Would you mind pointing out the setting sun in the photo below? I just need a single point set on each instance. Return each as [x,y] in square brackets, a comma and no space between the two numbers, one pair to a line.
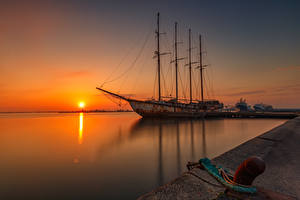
[81,104]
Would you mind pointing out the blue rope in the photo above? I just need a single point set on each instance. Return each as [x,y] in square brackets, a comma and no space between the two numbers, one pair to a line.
[211,169]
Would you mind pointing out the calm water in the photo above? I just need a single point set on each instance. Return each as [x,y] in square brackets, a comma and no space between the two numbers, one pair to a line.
[107,155]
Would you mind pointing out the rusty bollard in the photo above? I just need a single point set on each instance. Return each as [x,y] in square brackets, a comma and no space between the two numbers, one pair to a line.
[249,170]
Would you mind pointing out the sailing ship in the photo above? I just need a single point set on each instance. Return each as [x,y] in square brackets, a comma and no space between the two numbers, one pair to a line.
[174,107]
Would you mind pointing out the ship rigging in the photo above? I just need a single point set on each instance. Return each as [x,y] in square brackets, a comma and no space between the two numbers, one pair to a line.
[174,107]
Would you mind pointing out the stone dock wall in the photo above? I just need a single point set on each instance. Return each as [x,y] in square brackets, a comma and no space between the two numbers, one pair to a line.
[279,148]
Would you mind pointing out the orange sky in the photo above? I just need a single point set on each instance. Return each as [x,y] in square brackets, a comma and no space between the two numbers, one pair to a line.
[53,56]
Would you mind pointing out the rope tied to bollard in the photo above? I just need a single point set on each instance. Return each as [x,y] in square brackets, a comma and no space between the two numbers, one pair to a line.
[221,175]
[204,180]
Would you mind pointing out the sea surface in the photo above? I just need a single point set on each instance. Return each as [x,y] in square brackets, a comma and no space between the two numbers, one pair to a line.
[107,155]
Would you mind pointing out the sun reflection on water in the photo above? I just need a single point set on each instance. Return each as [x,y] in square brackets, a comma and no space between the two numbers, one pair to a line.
[80,128]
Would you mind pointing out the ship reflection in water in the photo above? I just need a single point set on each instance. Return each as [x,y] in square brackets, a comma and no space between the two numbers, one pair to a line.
[171,128]
[107,155]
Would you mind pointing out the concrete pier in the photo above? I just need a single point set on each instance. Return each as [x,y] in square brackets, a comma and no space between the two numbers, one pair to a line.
[281,115]
[279,148]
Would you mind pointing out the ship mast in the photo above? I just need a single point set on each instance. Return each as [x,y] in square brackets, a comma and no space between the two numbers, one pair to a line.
[201,67]
[190,66]
[176,61]
[158,58]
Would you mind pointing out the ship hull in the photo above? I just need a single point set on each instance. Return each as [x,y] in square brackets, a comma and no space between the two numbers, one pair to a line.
[155,109]
[152,108]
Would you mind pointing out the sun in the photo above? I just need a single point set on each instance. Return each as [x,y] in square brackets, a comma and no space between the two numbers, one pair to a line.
[81,104]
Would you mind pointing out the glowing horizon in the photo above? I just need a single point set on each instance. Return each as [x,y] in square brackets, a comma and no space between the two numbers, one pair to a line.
[54,55]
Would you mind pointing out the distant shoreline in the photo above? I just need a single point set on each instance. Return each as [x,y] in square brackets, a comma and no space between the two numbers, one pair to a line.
[275,110]
[74,111]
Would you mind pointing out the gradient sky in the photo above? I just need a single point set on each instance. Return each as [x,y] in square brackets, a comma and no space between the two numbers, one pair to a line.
[54,53]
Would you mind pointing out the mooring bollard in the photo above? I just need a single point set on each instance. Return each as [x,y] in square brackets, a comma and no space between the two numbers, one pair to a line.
[249,170]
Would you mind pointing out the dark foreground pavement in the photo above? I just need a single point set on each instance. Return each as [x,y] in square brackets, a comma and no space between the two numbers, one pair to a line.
[279,148]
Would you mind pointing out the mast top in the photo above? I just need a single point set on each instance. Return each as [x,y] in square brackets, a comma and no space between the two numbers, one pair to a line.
[158,58]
